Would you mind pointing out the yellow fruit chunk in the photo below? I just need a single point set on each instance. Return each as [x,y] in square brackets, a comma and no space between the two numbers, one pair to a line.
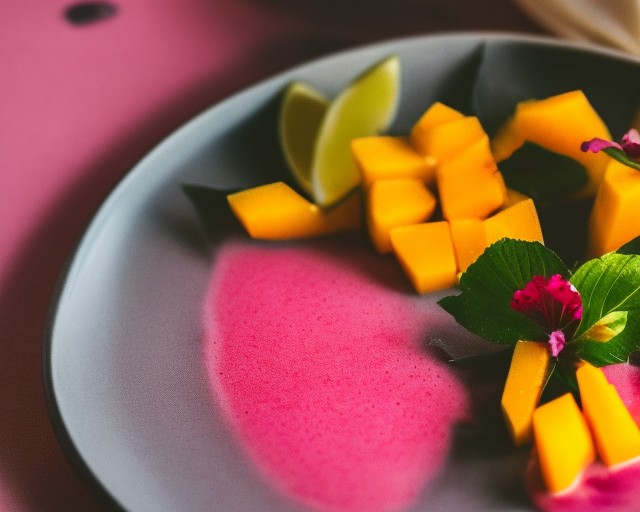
[563,442]
[469,241]
[616,435]
[437,114]
[527,376]
[277,212]
[559,123]
[425,252]
[514,196]
[506,140]
[365,107]
[394,203]
[301,114]
[615,217]
[446,141]
[387,157]
[469,183]
[519,221]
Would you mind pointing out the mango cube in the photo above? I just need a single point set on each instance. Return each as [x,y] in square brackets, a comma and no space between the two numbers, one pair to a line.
[394,203]
[436,115]
[425,252]
[616,435]
[615,217]
[277,212]
[527,376]
[470,184]
[389,157]
[559,123]
[469,241]
[519,221]
[506,140]
[563,442]
[447,140]
[514,196]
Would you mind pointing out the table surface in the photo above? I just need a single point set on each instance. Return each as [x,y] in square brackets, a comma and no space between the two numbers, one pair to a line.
[81,104]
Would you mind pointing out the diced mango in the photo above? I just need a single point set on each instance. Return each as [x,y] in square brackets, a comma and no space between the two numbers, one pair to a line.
[425,252]
[563,442]
[506,140]
[559,123]
[469,241]
[471,236]
[394,203]
[469,184]
[519,221]
[527,376]
[615,217]
[389,157]
[513,197]
[616,435]
[277,212]
[436,115]
[447,140]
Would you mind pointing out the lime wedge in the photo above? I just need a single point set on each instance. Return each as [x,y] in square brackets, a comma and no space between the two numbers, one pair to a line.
[365,107]
[301,114]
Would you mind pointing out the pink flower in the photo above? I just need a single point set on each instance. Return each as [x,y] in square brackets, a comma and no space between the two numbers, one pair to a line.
[565,293]
[552,302]
[556,341]
[630,144]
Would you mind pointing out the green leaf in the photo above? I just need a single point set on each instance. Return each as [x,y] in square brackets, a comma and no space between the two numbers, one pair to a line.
[487,287]
[619,155]
[543,174]
[606,328]
[607,285]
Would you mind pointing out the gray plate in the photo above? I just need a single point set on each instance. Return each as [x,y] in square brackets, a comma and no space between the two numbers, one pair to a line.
[124,373]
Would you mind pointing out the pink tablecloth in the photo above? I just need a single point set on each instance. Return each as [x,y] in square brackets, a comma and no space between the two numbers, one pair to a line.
[79,105]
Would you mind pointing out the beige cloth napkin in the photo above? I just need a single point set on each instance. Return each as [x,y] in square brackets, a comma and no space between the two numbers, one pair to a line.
[614,23]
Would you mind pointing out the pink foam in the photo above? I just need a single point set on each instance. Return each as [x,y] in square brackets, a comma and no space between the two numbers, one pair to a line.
[626,379]
[316,354]
[599,490]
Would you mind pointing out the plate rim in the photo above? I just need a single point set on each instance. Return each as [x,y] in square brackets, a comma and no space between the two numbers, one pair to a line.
[60,427]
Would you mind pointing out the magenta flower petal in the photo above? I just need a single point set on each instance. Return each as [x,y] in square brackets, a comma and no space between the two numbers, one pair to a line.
[565,293]
[553,303]
[632,136]
[556,341]
[631,143]
[577,314]
[595,145]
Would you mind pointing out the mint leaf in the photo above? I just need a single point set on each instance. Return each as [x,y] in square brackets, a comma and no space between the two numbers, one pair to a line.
[487,287]
[606,328]
[608,285]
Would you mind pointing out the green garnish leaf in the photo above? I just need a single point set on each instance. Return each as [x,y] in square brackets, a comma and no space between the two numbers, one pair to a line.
[487,287]
[607,285]
[606,328]
[619,155]
[543,174]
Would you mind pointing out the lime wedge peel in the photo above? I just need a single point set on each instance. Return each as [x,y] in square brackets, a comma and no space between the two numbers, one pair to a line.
[303,109]
[316,134]
[365,107]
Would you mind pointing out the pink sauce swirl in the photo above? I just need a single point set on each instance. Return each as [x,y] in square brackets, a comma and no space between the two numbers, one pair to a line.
[316,354]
